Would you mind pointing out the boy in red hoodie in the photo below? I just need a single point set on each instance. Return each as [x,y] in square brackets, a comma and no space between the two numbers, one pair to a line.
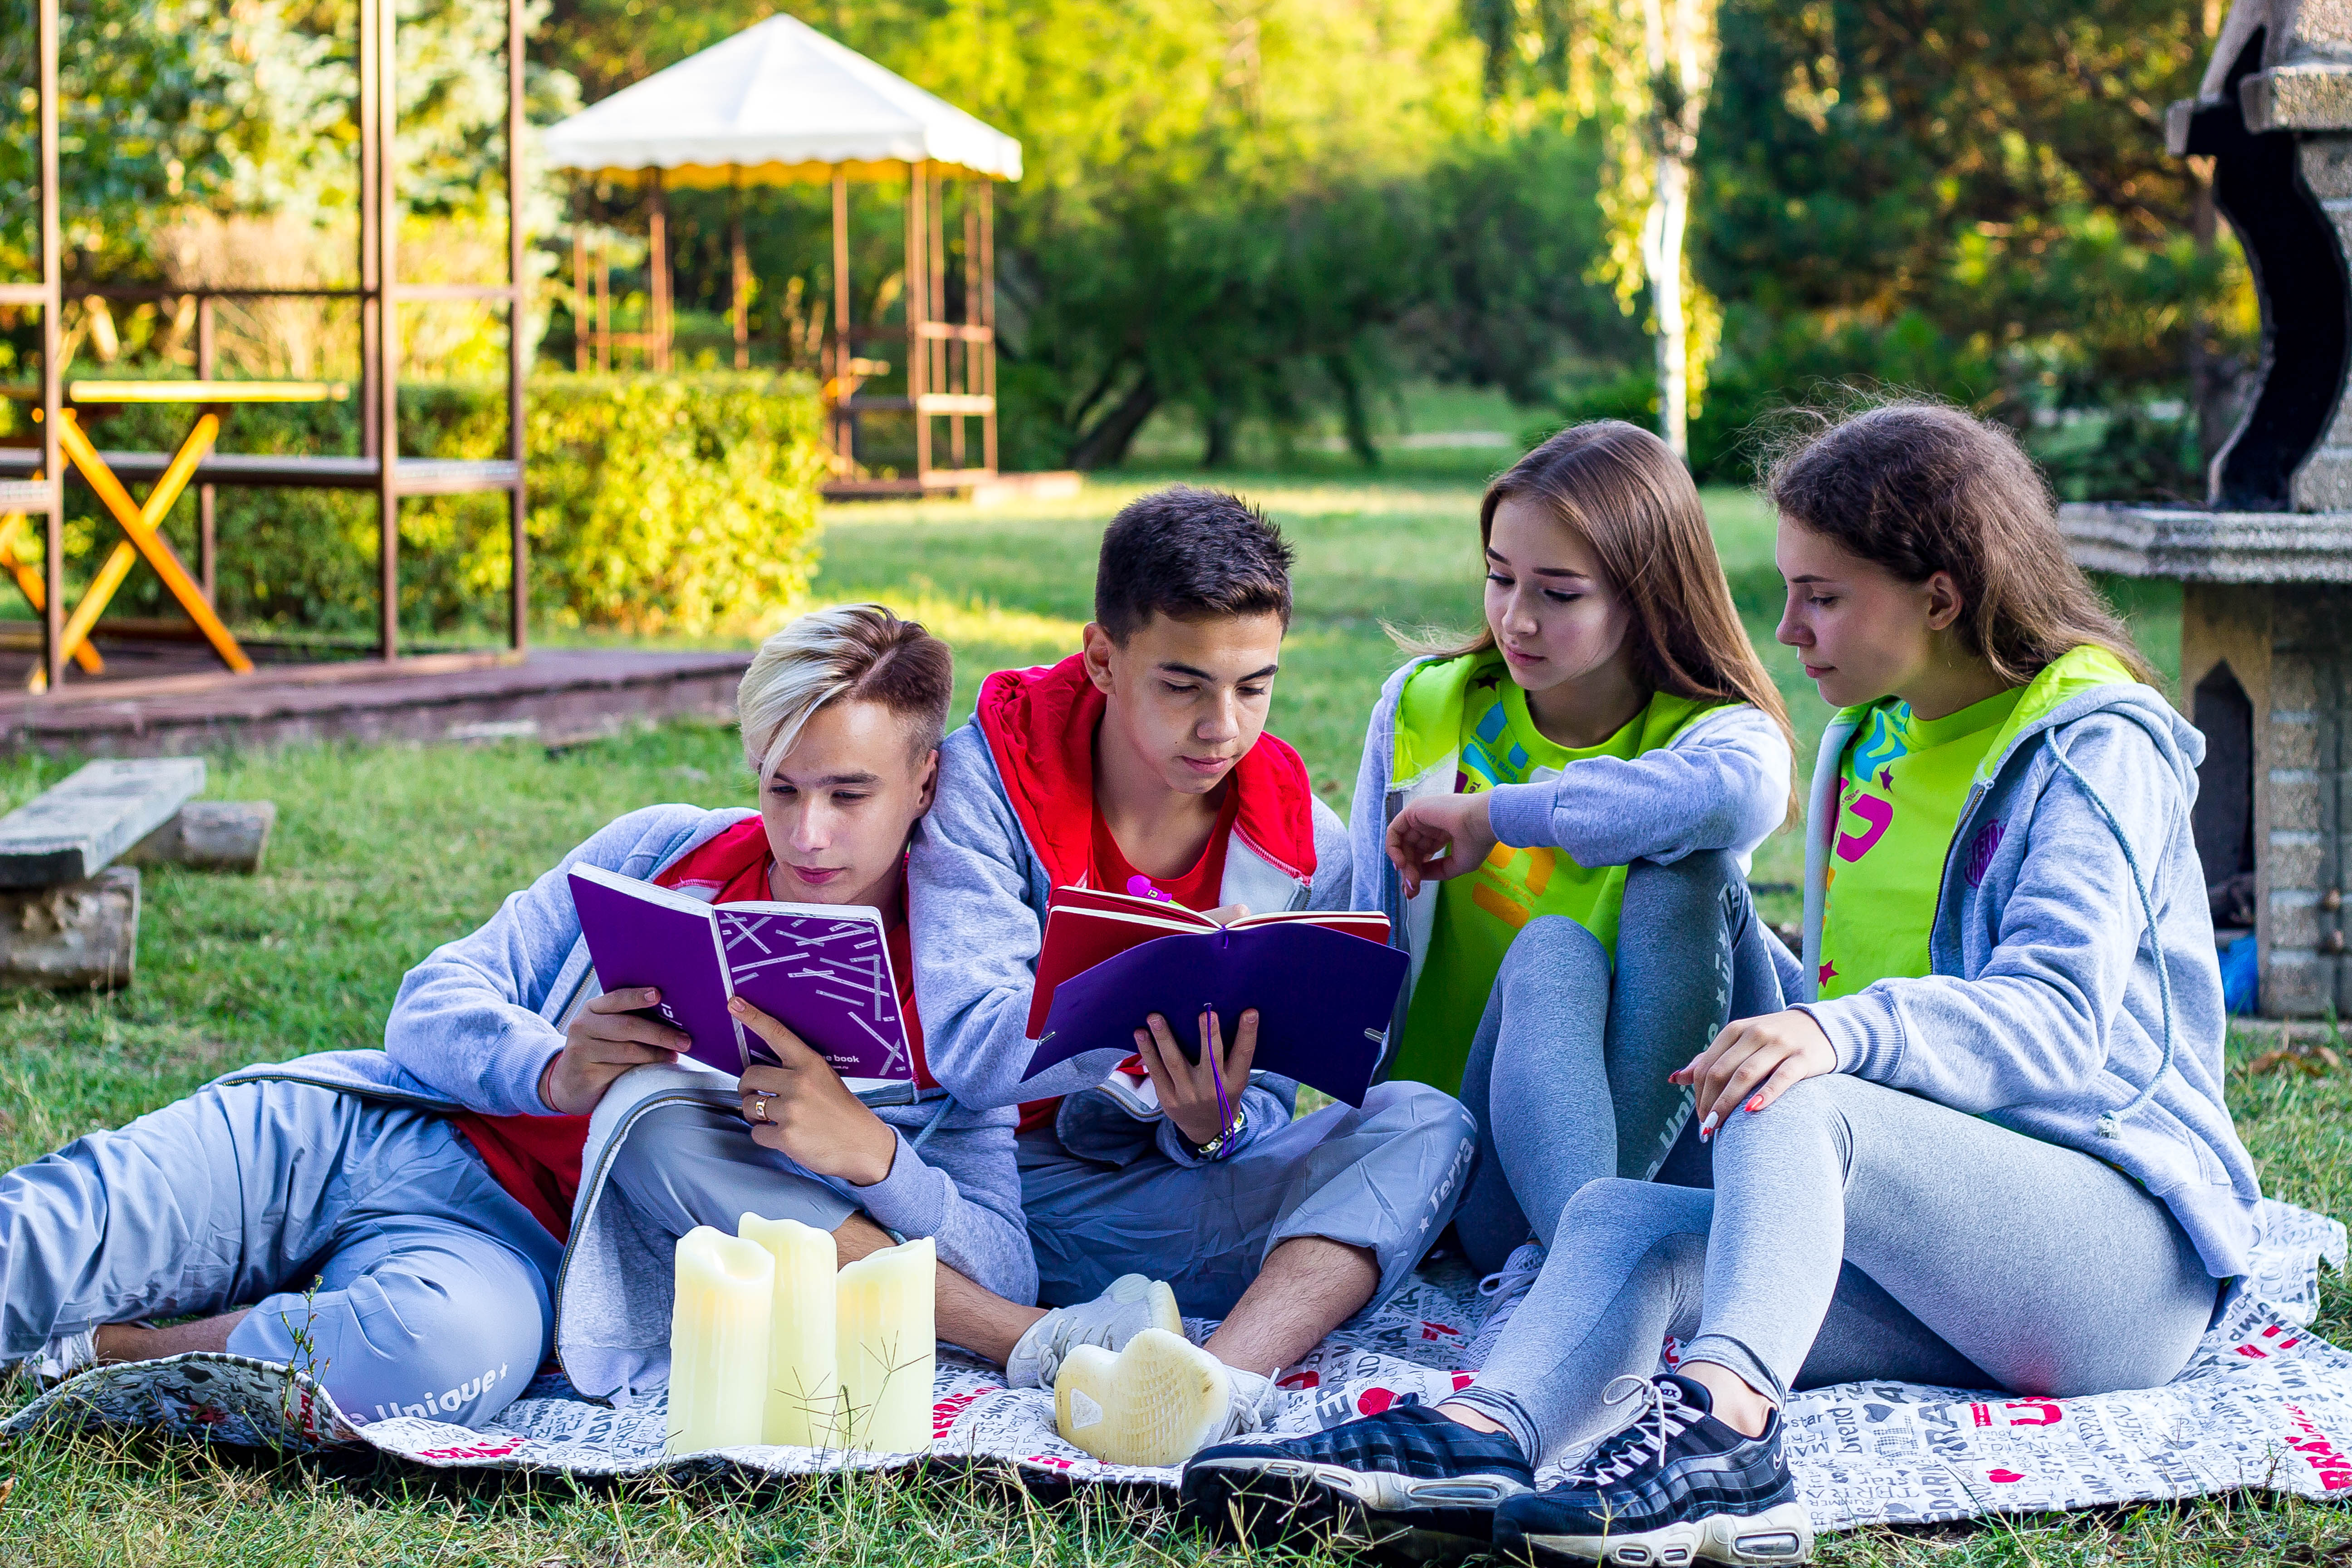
[1141,764]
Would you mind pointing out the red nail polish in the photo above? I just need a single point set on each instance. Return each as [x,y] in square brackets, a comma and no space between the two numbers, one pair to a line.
[1757,1103]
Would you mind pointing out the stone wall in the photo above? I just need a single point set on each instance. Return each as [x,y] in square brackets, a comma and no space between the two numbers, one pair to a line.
[2323,481]
[2290,646]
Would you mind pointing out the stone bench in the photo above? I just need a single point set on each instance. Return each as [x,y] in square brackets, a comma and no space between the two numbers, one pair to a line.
[69,903]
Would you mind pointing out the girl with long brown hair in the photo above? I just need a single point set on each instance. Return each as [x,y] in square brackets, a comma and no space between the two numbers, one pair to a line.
[1556,815]
[1988,1148]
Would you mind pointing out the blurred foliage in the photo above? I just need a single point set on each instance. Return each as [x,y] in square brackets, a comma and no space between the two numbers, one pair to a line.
[684,504]
[219,144]
[1262,215]
[1971,198]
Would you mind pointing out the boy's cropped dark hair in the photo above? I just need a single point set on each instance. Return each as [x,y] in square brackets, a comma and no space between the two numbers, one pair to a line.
[1190,554]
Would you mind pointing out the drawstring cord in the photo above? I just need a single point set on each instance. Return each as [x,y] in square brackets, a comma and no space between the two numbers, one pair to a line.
[920,1139]
[2111,1123]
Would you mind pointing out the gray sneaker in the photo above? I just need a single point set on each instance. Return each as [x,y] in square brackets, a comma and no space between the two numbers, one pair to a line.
[1505,1290]
[1132,1304]
[59,1358]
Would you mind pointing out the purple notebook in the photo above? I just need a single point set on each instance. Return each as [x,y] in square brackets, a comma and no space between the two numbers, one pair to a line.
[822,970]
[1323,999]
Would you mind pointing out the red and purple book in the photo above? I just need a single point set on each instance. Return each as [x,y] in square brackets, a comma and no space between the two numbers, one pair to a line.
[1324,983]
[821,970]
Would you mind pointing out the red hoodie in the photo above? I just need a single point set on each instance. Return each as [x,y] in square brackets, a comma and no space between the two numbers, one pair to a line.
[1041,724]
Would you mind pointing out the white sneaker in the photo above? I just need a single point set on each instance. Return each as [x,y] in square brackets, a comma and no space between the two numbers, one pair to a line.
[1505,1290]
[1158,1402]
[1132,1304]
[61,1359]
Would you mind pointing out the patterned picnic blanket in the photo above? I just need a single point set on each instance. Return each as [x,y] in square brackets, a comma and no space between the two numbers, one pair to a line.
[2262,1404]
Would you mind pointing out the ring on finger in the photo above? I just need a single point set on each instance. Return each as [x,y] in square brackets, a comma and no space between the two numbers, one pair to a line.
[758,1112]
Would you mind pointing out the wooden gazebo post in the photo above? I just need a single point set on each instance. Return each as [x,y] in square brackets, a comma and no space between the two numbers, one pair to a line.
[53,459]
[657,275]
[844,424]
[950,365]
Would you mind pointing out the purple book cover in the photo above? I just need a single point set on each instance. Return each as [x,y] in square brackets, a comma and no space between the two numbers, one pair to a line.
[1323,999]
[822,971]
[639,934]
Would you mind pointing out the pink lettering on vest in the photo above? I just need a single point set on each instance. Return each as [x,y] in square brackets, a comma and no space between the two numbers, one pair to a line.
[1879,813]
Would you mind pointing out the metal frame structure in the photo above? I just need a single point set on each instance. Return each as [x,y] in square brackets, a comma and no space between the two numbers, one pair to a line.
[33,481]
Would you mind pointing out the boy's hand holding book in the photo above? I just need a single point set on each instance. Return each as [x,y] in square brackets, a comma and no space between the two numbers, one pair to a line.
[1320,987]
[801,1109]
[1438,837]
[605,1041]
[1203,1098]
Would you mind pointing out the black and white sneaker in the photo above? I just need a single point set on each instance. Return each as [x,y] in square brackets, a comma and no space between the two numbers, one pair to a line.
[1408,1483]
[1672,1487]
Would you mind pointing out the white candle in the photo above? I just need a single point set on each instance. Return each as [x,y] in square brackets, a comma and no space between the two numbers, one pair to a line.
[717,1342]
[804,1389]
[889,1347]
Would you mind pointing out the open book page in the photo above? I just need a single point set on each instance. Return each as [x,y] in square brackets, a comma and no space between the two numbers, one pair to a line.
[640,935]
[823,972]
[1369,925]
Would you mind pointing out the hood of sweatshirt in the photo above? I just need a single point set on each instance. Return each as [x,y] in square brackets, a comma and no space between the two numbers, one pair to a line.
[2089,680]
[1040,723]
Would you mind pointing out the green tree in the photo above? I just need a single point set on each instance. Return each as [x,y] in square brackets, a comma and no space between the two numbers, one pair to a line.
[1989,168]
[1641,69]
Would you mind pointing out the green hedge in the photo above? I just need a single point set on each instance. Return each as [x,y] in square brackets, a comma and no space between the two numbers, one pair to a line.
[682,503]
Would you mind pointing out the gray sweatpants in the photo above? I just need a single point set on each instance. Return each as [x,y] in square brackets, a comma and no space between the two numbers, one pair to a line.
[685,1165]
[1854,1232]
[1385,1178]
[371,1242]
[1568,1072]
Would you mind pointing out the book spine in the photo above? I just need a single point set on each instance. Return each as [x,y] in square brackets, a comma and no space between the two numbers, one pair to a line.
[727,980]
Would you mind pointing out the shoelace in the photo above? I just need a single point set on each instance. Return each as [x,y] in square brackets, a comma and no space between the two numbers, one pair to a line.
[1633,1445]
[1507,1288]
[1508,1278]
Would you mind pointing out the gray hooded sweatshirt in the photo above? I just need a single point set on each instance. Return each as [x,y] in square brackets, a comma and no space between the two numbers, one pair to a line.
[476,1023]
[2047,1010]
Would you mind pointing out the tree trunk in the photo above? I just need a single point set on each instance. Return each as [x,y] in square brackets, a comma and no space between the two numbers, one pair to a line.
[1217,444]
[1105,444]
[1356,416]
[1681,44]
[1669,215]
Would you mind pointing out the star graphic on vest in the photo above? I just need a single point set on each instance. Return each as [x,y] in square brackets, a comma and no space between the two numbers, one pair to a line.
[1887,778]
[1829,972]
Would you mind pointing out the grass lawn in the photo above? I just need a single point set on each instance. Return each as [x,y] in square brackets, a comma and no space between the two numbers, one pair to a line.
[383,852]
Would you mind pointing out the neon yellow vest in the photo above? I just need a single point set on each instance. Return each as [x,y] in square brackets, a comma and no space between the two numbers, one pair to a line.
[1467,715]
[1903,784]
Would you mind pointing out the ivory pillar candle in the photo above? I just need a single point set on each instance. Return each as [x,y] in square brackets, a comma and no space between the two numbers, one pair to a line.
[888,1347]
[803,1388]
[718,1340]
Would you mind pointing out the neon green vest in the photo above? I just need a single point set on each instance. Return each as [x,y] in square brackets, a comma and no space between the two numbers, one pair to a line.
[1468,716]
[1903,784]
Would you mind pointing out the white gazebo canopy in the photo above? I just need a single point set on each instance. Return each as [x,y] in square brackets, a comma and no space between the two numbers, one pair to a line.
[777,103]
